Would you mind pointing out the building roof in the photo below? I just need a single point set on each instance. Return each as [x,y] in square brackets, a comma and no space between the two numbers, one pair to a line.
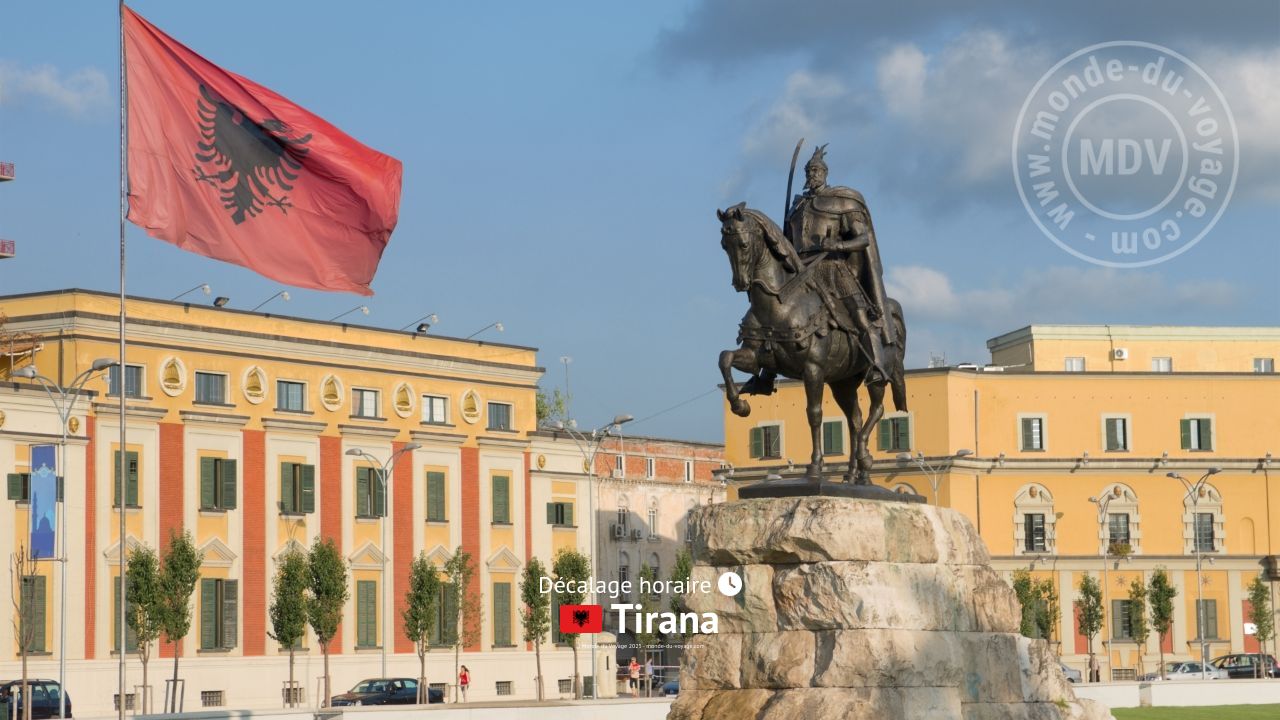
[1184,333]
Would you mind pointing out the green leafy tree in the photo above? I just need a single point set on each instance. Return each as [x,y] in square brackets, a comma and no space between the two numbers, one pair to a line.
[288,611]
[646,640]
[179,573]
[535,616]
[1090,608]
[575,568]
[1139,628]
[1051,609]
[327,597]
[145,611]
[420,608]
[468,613]
[553,406]
[1160,595]
[1260,615]
[1039,602]
[23,566]
[680,573]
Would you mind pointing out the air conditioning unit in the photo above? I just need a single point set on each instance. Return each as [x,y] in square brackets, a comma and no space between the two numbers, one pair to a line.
[636,535]
[619,532]
[619,474]
[1120,354]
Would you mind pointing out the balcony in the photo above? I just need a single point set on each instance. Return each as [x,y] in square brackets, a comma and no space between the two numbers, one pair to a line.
[6,171]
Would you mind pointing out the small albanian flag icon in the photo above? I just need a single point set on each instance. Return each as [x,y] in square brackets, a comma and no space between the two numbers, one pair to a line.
[577,619]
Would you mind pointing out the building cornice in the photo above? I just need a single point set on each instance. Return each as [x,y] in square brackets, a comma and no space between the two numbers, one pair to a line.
[134,412]
[306,427]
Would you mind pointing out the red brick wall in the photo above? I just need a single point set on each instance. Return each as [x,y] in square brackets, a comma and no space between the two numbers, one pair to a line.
[253,499]
[1082,640]
[90,540]
[402,542]
[1251,644]
[172,478]
[331,506]
[471,517]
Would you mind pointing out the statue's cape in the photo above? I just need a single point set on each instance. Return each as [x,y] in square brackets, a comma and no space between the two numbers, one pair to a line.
[839,200]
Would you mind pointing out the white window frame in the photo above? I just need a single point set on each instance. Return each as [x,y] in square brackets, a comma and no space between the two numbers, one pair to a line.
[688,471]
[1067,363]
[305,394]
[1044,431]
[1128,431]
[427,409]
[511,416]
[1156,363]
[226,383]
[124,380]
[1195,435]
[357,405]
[649,467]
[1264,364]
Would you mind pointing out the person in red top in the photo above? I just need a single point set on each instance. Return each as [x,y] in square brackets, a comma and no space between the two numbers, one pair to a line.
[464,681]
[634,670]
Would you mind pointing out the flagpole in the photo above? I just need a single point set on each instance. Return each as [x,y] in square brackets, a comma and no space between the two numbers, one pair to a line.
[121,375]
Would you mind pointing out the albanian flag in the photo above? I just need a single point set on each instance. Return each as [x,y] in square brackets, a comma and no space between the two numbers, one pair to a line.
[223,167]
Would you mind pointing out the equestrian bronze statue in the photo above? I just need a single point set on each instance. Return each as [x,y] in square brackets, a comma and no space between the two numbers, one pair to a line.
[818,314]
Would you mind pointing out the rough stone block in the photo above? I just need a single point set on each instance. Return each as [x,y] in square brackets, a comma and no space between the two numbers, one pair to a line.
[751,610]
[712,663]
[778,659]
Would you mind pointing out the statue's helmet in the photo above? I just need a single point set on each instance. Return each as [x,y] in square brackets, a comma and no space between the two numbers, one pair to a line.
[817,161]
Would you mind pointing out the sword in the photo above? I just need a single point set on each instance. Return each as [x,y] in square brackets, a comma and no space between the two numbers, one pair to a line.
[786,208]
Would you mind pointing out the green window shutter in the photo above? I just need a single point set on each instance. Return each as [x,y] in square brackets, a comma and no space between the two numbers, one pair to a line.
[131,489]
[378,486]
[449,634]
[568,514]
[131,637]
[551,513]
[757,442]
[230,626]
[208,483]
[15,486]
[502,614]
[208,614]
[1028,434]
[308,493]
[435,496]
[773,441]
[228,479]
[286,488]
[38,605]
[1205,426]
[61,487]
[501,498]
[883,438]
[362,492]
[1184,427]
[115,483]
[366,609]
[901,433]
[832,438]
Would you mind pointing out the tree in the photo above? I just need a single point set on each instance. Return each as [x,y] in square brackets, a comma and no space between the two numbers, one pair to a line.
[288,611]
[180,570]
[23,570]
[1090,608]
[1160,595]
[1039,602]
[1139,630]
[420,609]
[646,640]
[536,613]
[1052,609]
[1260,615]
[574,568]
[327,597]
[553,406]
[145,611]
[467,612]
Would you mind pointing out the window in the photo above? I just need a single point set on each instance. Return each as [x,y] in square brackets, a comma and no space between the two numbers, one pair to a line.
[501,499]
[1205,540]
[435,497]
[623,514]
[211,388]
[833,438]
[1207,613]
[444,632]
[1073,364]
[212,698]
[1197,433]
[1264,365]
[435,409]
[688,471]
[217,484]
[1033,532]
[130,637]
[653,523]
[895,434]
[371,493]
[364,403]
[32,613]
[619,464]
[502,614]
[218,616]
[1032,434]
[367,613]
[766,441]
[297,488]
[499,416]
[502,687]
[649,468]
[291,396]
[560,513]
[19,486]
[624,577]
[1117,529]
[1121,627]
[1162,364]
[1117,433]
[131,485]
[132,380]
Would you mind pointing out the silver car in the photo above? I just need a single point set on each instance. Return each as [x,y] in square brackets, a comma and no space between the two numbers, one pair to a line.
[1187,670]
[1072,674]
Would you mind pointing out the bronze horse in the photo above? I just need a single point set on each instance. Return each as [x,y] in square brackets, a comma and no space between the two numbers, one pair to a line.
[791,331]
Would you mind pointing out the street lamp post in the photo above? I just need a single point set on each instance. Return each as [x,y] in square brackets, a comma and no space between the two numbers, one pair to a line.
[1103,503]
[932,472]
[64,401]
[589,464]
[382,470]
[1193,491]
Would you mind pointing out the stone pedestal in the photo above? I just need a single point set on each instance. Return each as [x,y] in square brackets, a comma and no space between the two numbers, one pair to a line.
[856,609]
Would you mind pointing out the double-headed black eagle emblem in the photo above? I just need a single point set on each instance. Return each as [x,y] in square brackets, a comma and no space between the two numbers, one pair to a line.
[580,617]
[244,159]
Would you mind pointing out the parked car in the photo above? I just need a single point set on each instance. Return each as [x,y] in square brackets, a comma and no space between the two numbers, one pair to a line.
[1186,670]
[45,695]
[671,688]
[1072,674]
[385,691]
[1245,665]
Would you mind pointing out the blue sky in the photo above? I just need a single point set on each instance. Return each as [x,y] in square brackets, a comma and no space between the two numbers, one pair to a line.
[563,162]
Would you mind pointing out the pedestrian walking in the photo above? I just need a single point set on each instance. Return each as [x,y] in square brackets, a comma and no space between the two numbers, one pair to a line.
[634,671]
[464,681]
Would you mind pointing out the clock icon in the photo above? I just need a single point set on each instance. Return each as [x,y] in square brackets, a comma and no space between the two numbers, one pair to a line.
[730,584]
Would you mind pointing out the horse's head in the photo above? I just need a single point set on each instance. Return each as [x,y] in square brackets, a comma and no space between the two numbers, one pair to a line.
[739,236]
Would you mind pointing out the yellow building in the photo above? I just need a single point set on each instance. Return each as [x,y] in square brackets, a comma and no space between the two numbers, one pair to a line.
[1066,459]
[251,431]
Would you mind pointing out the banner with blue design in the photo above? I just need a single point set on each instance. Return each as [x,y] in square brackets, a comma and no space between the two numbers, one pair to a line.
[44,501]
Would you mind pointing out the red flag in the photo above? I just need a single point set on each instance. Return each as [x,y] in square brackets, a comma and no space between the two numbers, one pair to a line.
[223,167]
[578,619]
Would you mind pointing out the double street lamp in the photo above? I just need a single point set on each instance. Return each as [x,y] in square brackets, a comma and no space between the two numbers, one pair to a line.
[1193,492]
[589,446]
[381,471]
[64,401]
[931,471]
[1103,503]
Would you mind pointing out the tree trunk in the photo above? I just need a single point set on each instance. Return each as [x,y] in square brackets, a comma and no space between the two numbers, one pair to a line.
[26,689]
[577,678]
[293,696]
[424,693]
[537,655]
[1160,669]
[144,655]
[324,650]
[176,653]
[457,648]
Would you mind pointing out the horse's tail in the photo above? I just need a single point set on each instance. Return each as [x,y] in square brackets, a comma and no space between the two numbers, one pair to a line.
[897,379]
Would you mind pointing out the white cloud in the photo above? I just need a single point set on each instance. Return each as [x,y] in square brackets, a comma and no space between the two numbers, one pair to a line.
[900,75]
[76,93]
